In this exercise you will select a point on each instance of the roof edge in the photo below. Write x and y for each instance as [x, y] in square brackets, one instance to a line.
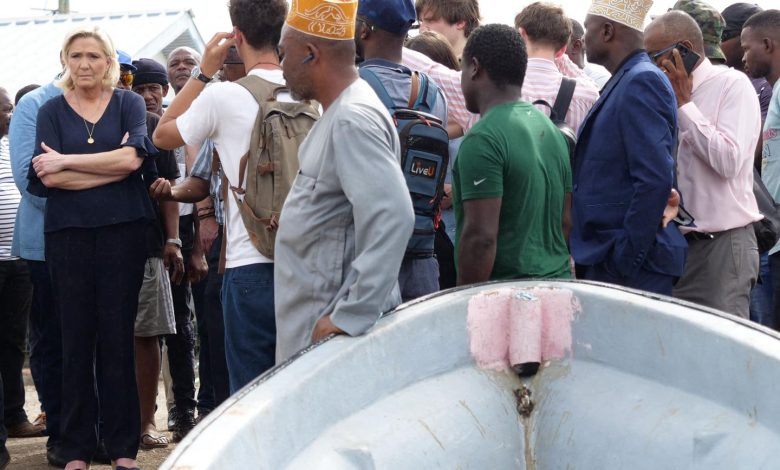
[92, 16]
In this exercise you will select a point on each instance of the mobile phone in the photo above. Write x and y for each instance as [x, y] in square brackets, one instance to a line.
[689, 58]
[684, 218]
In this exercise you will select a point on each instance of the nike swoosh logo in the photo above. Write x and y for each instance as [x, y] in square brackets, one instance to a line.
[477, 183]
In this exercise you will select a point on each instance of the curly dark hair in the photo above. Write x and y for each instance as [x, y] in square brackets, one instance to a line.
[260, 21]
[500, 51]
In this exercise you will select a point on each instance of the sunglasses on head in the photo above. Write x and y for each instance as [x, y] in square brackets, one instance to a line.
[126, 78]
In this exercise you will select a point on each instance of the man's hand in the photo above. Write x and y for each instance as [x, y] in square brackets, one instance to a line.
[174, 262]
[324, 328]
[672, 208]
[208, 231]
[198, 268]
[49, 162]
[216, 52]
[681, 81]
[446, 201]
[161, 190]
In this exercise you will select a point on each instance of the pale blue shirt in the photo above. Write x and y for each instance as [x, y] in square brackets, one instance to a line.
[770, 172]
[28, 231]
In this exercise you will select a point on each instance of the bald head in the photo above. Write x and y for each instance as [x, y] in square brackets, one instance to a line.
[673, 27]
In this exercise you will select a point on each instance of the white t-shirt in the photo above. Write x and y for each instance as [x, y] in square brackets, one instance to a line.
[226, 112]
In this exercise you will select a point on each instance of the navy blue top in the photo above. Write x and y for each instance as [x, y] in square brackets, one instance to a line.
[62, 129]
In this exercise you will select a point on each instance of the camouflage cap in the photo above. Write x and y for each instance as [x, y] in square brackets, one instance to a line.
[711, 23]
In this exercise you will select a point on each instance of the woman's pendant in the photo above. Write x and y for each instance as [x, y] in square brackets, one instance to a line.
[90, 140]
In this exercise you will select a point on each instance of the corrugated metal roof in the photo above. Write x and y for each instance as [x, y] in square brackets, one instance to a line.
[32, 45]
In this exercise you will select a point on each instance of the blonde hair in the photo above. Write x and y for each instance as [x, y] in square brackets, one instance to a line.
[112, 74]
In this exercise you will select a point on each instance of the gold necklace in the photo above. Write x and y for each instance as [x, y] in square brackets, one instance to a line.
[90, 140]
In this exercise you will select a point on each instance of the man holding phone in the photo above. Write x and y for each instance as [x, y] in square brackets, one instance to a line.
[719, 120]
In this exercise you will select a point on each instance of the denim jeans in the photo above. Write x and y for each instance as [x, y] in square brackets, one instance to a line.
[250, 326]
[15, 299]
[761, 296]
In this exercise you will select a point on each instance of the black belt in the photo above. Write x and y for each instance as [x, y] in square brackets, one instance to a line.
[699, 236]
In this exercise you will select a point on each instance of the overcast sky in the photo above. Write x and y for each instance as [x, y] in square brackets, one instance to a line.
[211, 15]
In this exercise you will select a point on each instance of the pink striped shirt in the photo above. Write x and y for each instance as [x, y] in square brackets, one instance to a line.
[542, 81]
[448, 81]
[541, 87]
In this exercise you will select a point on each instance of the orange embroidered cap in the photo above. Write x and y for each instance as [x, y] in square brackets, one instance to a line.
[327, 19]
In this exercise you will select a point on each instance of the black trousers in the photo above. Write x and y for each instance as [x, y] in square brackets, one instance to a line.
[205, 398]
[96, 276]
[215, 324]
[3, 432]
[15, 300]
[46, 348]
[181, 346]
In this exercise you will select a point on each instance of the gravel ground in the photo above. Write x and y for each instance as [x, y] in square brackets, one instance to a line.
[30, 454]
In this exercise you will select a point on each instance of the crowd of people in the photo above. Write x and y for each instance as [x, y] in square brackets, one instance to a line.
[319, 165]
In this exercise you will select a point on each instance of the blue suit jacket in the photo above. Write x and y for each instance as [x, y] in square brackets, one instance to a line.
[623, 172]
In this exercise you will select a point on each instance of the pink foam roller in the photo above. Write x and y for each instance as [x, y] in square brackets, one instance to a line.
[558, 309]
[525, 332]
[488, 325]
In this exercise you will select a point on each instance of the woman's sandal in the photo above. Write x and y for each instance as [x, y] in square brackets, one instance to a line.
[150, 441]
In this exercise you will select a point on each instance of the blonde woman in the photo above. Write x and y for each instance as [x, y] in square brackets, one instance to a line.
[92, 143]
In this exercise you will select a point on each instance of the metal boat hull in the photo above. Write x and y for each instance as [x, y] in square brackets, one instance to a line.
[651, 383]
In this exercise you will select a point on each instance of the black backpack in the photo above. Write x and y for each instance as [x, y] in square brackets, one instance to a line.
[560, 109]
[424, 154]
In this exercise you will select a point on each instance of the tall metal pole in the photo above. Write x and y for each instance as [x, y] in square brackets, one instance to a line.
[64, 7]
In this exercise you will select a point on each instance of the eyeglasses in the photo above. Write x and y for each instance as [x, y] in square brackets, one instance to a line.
[126, 78]
[661, 53]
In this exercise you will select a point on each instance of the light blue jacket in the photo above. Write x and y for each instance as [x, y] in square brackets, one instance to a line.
[28, 230]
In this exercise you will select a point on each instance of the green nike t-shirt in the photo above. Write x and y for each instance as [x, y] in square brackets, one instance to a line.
[517, 154]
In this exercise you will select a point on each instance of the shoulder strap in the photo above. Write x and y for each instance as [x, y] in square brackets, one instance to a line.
[369, 76]
[260, 89]
[414, 96]
[563, 100]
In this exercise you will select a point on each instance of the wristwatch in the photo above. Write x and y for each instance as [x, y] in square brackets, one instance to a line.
[197, 74]
[174, 241]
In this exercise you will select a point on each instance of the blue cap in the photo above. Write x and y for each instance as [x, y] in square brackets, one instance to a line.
[393, 16]
[125, 59]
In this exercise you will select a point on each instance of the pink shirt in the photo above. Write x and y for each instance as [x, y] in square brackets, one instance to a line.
[542, 82]
[449, 82]
[718, 133]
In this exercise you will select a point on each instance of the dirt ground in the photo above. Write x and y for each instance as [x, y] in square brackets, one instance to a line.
[30, 454]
